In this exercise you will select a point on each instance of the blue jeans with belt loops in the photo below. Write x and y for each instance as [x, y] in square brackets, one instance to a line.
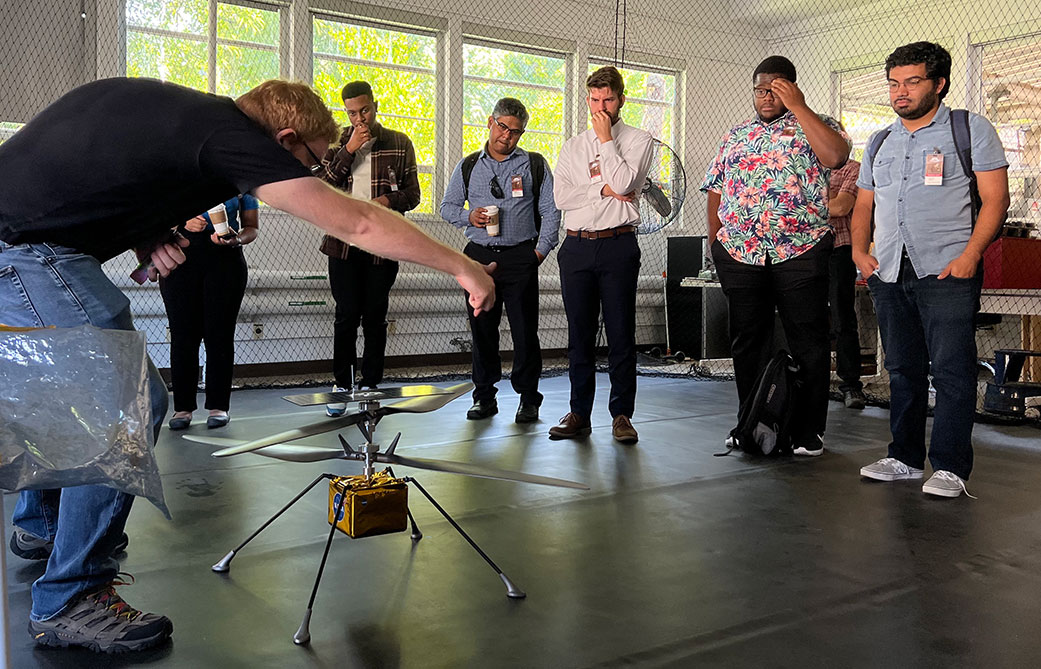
[928, 329]
[40, 285]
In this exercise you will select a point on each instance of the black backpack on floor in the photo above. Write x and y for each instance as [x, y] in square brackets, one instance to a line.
[763, 425]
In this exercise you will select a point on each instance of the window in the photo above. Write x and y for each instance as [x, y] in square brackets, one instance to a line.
[1010, 98]
[170, 40]
[8, 129]
[400, 67]
[864, 105]
[650, 99]
[536, 80]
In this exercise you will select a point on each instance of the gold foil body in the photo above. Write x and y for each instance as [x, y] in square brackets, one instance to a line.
[375, 506]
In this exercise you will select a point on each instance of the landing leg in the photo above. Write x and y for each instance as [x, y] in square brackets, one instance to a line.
[225, 563]
[303, 635]
[416, 534]
[512, 590]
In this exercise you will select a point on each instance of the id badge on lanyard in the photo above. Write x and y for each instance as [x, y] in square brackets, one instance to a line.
[934, 168]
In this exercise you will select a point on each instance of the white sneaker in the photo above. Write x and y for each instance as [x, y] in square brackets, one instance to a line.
[945, 484]
[811, 450]
[337, 409]
[890, 469]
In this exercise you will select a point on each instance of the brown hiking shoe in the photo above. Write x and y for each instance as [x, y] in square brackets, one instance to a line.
[572, 425]
[102, 622]
[623, 430]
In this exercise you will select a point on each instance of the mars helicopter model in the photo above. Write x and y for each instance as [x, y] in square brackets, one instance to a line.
[374, 502]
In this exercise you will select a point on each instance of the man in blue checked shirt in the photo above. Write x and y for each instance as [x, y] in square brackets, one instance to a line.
[520, 185]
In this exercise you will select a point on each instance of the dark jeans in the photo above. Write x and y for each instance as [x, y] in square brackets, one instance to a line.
[516, 288]
[927, 326]
[202, 299]
[842, 296]
[798, 289]
[597, 273]
[44, 284]
[361, 289]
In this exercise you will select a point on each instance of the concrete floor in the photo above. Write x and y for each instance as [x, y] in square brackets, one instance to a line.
[674, 558]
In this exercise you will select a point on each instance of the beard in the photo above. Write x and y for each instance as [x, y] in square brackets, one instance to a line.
[924, 106]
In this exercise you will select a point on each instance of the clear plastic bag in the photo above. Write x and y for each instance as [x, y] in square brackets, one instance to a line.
[75, 410]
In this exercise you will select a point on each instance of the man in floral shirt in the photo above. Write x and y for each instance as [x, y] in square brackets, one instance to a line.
[771, 241]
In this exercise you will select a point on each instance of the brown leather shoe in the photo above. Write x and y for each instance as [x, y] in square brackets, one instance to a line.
[572, 425]
[623, 430]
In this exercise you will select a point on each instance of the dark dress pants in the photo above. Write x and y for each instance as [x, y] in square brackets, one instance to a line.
[361, 289]
[842, 296]
[798, 289]
[202, 299]
[516, 288]
[595, 274]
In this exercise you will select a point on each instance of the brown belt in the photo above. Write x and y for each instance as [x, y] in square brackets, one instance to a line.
[602, 234]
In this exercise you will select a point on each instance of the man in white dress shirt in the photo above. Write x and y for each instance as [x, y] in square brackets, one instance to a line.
[597, 184]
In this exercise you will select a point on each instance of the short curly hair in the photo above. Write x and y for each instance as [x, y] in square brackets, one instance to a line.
[936, 59]
[277, 104]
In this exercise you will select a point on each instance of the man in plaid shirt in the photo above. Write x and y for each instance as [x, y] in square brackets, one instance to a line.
[383, 164]
[842, 193]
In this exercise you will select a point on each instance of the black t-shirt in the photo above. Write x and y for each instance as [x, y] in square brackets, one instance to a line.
[115, 163]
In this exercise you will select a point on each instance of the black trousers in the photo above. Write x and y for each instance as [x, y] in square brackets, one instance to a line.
[361, 289]
[798, 289]
[202, 299]
[595, 274]
[842, 297]
[516, 288]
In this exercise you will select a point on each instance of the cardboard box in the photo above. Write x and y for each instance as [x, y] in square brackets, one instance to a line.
[1012, 262]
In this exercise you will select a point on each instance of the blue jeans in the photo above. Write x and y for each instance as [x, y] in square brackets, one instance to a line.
[43, 284]
[927, 326]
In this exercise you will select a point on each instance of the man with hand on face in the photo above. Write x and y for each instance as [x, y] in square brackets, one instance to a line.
[599, 177]
[931, 226]
[771, 241]
[520, 187]
[151, 155]
[372, 162]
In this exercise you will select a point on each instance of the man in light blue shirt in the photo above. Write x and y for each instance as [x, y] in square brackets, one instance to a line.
[520, 185]
[926, 272]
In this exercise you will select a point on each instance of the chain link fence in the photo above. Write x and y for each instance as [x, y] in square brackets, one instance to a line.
[438, 66]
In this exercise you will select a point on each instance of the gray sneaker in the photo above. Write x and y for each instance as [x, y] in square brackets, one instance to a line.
[945, 484]
[102, 622]
[31, 547]
[890, 469]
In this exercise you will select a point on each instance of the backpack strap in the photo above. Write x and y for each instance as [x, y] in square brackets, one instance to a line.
[468, 168]
[537, 165]
[872, 150]
[963, 147]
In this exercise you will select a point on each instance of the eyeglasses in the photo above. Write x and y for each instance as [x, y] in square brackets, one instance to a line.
[496, 189]
[910, 84]
[512, 132]
[318, 167]
[763, 92]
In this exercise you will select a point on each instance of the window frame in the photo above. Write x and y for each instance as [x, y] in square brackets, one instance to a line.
[213, 42]
[566, 58]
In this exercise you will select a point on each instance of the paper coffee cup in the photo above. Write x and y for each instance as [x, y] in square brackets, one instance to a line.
[492, 228]
[218, 214]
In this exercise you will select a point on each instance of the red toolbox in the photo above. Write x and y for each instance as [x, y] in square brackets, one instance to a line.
[1012, 262]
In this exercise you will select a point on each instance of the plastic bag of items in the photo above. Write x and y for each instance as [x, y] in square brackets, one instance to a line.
[75, 410]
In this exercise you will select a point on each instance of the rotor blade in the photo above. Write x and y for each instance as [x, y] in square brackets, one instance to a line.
[478, 471]
[214, 441]
[301, 453]
[428, 403]
[322, 427]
